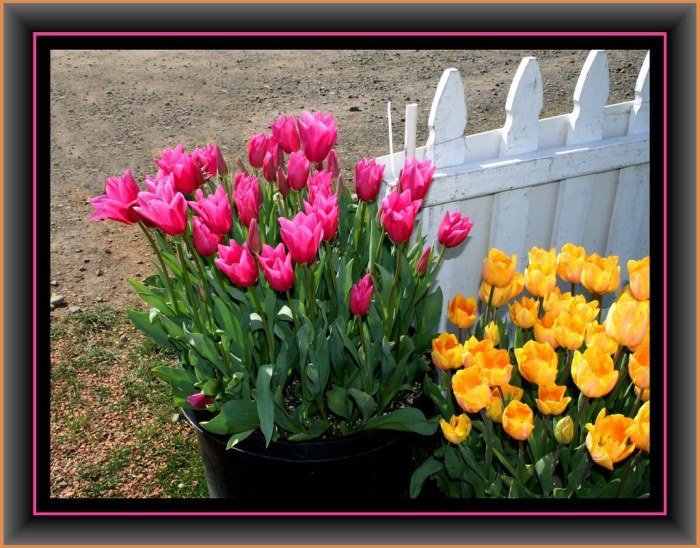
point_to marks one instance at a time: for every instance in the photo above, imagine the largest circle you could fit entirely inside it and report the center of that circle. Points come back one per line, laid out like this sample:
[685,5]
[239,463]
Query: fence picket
[523,105]
[639,117]
[447,121]
[590,96]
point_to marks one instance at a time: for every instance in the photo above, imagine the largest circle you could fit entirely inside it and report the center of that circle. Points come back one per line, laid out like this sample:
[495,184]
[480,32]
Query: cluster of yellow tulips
[558,337]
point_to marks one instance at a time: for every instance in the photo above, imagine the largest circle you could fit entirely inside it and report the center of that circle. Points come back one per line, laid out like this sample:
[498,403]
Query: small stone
[124,338]
[108,250]
[354,108]
[99,272]
[175,417]
[140,261]
[62,484]
[57,300]
[54,283]
[52,307]
[75,309]
[86,261]
[99,299]
[82,269]
[181,486]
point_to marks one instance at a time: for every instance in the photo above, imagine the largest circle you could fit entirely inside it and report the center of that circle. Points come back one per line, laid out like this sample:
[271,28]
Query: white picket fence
[582,177]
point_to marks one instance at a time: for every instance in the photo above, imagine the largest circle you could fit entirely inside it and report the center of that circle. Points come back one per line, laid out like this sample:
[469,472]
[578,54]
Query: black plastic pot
[365,470]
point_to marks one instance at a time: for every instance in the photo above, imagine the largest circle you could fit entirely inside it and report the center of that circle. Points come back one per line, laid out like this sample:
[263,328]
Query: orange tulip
[639,367]
[498,269]
[627,322]
[594,372]
[569,330]
[510,392]
[524,312]
[492,334]
[601,275]
[458,429]
[447,352]
[501,295]
[518,420]
[641,422]
[551,400]
[470,390]
[540,274]
[472,347]
[494,366]
[645,394]
[596,336]
[555,302]
[639,278]
[608,439]
[462,312]
[543,330]
[537,363]
[570,263]
[587,311]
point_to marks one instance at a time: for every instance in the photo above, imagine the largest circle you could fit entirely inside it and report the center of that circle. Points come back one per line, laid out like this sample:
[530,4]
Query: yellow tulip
[639,367]
[627,322]
[564,430]
[569,330]
[458,429]
[551,400]
[570,263]
[537,363]
[510,392]
[640,437]
[494,366]
[501,295]
[596,336]
[639,278]
[593,372]
[447,352]
[492,334]
[472,347]
[518,420]
[555,302]
[645,394]
[462,312]
[498,269]
[538,283]
[545,261]
[608,439]
[645,341]
[601,275]
[470,390]
[587,311]
[524,312]
[543,330]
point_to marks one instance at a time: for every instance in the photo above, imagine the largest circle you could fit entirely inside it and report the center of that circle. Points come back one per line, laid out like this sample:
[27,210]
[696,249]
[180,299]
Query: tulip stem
[580,416]
[489,446]
[266,326]
[600,307]
[573,289]
[329,260]
[377,253]
[629,471]
[637,401]
[488,306]
[587,471]
[293,309]
[311,297]
[557,452]
[392,295]
[166,278]
[205,286]
[188,286]
[366,377]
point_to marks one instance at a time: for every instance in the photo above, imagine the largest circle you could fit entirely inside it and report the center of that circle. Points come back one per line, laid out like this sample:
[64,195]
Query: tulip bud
[199,401]
[564,431]
[270,166]
[282,182]
[492,334]
[332,164]
[422,265]
[241,166]
[361,296]
[254,242]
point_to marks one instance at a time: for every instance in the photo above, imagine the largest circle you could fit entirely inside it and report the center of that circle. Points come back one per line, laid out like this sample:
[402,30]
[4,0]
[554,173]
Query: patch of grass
[182,475]
[95,359]
[78,424]
[97,320]
[103,477]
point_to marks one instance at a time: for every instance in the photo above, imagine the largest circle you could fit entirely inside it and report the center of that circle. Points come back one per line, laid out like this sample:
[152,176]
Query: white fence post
[639,117]
[523,106]
[590,96]
[447,121]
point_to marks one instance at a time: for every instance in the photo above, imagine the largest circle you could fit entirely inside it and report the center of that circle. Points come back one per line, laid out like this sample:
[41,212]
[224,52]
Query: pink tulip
[257,146]
[326,209]
[422,264]
[302,236]
[199,401]
[164,207]
[285,133]
[210,161]
[361,296]
[416,176]
[282,182]
[320,183]
[238,264]
[368,179]
[119,201]
[215,210]
[240,167]
[399,214]
[248,197]
[270,166]
[184,168]
[205,241]
[454,229]
[277,267]
[318,134]
[297,170]
[332,166]
[254,242]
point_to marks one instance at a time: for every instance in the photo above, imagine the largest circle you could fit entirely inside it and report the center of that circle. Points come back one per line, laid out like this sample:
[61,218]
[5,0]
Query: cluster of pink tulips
[280,288]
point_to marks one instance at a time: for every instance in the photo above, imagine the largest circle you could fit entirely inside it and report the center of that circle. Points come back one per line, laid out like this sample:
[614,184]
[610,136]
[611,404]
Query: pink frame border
[268,34]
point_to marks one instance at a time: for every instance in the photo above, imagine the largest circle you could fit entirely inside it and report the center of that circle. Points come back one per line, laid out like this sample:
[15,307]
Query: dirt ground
[113,110]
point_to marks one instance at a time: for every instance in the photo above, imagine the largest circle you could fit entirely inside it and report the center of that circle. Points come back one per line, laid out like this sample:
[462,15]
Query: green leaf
[423,472]
[265,404]
[365,403]
[432,311]
[317,428]
[235,439]
[181,380]
[339,402]
[545,472]
[235,417]
[285,313]
[408,419]
[155,330]
[444,405]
